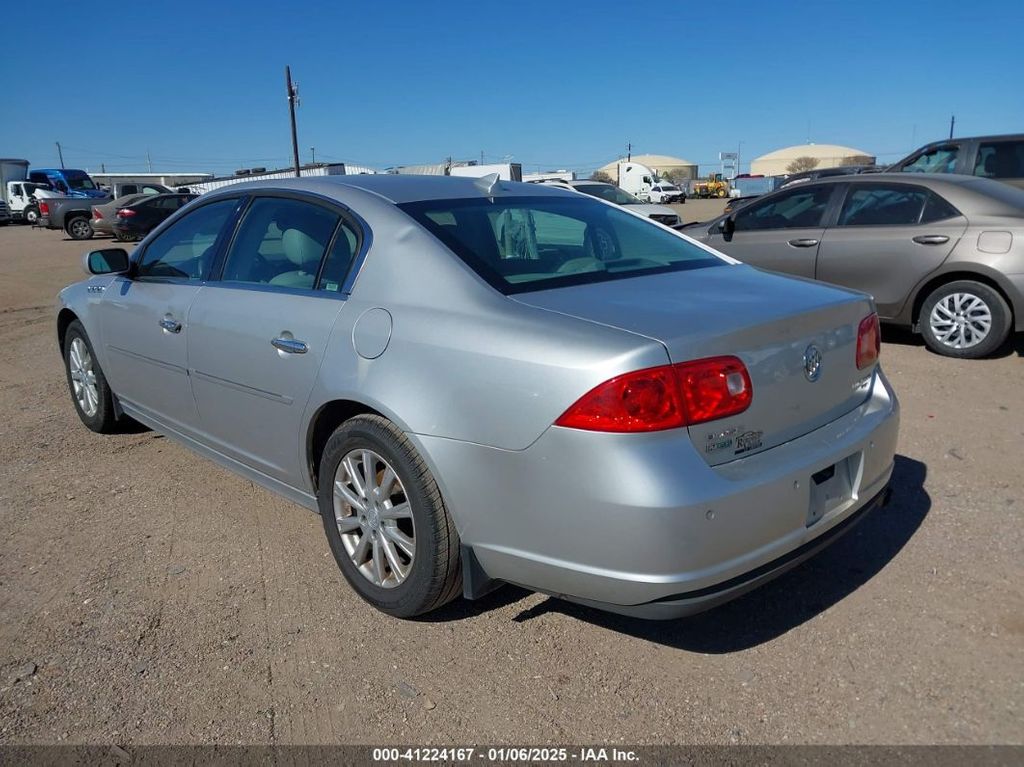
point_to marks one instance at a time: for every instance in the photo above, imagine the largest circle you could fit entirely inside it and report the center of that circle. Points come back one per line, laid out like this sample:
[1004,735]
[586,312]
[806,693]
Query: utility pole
[149,161]
[293,97]
[952,122]
[629,151]
[313,150]
[60,154]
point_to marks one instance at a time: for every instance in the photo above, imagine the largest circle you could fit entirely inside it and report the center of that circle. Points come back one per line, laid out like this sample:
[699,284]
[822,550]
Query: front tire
[31,215]
[385,520]
[79,228]
[965,319]
[90,393]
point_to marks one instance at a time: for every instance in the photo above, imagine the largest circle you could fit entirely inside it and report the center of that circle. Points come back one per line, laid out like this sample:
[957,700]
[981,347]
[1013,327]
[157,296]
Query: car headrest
[300,248]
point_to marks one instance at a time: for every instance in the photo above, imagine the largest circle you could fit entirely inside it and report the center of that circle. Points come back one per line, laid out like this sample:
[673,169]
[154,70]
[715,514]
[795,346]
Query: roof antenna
[488,183]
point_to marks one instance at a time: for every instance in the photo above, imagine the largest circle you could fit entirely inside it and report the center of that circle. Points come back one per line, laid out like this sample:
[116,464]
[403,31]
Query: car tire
[79,228]
[954,315]
[93,401]
[422,539]
[31,215]
[122,237]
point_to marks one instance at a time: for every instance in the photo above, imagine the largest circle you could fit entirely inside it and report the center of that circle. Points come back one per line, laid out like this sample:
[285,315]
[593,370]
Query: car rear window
[520,244]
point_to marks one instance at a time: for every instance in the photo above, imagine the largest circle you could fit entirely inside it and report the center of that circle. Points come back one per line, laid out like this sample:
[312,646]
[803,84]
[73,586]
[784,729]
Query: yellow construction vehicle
[713,186]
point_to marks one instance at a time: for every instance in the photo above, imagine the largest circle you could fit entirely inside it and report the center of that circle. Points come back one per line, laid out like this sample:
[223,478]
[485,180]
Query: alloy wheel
[374,518]
[83,377]
[960,320]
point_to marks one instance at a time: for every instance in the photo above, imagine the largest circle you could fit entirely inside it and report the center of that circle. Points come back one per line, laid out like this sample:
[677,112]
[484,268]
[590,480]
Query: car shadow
[906,337]
[792,599]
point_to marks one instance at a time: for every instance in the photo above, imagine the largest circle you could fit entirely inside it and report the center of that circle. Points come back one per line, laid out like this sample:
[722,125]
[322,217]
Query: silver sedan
[476,382]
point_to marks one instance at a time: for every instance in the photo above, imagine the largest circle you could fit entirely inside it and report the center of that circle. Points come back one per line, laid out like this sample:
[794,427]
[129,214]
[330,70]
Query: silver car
[942,254]
[475,382]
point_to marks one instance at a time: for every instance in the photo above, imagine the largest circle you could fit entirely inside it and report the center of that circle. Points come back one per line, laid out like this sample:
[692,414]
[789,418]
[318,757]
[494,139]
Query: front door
[781,233]
[258,336]
[145,318]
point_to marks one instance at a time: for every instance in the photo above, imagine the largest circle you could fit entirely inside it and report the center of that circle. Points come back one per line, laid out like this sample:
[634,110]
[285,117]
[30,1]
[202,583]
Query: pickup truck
[72,214]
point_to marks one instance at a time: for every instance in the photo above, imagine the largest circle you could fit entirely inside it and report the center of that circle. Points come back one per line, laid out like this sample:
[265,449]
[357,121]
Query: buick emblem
[812,363]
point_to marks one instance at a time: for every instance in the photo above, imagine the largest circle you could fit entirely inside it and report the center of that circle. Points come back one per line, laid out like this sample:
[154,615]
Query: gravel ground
[148,596]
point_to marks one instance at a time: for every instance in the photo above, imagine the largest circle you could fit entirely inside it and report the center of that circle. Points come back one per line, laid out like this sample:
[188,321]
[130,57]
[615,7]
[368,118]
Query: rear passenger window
[280,242]
[1000,159]
[879,205]
[937,209]
[339,260]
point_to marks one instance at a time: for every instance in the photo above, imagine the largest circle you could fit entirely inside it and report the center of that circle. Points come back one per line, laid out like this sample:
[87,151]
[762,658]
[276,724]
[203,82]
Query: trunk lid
[767,320]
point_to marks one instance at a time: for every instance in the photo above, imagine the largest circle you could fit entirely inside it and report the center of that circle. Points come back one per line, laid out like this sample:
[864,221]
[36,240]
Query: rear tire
[122,237]
[965,319]
[90,393]
[424,545]
[79,228]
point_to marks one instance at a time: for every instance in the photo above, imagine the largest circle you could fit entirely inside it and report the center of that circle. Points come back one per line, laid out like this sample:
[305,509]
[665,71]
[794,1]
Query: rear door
[886,238]
[782,232]
[258,335]
[144,319]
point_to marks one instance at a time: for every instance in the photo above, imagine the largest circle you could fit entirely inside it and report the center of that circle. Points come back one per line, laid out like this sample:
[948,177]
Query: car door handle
[170,324]
[931,239]
[289,346]
[803,243]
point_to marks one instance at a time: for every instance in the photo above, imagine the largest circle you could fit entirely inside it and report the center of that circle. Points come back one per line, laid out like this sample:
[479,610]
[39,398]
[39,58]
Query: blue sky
[551,84]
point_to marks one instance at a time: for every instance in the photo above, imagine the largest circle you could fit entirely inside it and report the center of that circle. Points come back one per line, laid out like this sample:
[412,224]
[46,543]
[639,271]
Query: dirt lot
[148,596]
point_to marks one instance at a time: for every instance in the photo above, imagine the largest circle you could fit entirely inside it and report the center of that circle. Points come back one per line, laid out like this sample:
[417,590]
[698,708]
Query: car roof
[995,137]
[398,188]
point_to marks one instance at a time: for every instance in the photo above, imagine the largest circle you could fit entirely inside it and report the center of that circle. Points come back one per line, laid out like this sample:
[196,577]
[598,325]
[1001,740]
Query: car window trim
[140,252]
[358,225]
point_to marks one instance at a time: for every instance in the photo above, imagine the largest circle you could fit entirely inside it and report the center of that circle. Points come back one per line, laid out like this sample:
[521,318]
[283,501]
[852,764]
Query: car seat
[304,252]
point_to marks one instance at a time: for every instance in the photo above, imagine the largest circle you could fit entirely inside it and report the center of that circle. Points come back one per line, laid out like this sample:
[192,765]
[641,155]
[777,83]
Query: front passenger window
[185,249]
[280,242]
[803,207]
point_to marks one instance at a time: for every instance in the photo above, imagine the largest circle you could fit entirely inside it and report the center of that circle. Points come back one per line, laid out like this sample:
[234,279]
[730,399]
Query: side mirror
[106,261]
[727,226]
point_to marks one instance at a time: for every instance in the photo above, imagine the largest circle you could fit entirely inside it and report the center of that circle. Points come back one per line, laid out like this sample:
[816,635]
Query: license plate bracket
[833,487]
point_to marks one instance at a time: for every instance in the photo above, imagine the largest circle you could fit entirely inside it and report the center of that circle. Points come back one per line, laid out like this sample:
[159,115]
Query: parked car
[941,254]
[5,215]
[617,196]
[72,214]
[125,188]
[136,220]
[812,175]
[997,157]
[103,216]
[664,192]
[476,381]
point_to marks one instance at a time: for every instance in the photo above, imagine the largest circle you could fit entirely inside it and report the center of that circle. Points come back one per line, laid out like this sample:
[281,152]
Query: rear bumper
[641,524]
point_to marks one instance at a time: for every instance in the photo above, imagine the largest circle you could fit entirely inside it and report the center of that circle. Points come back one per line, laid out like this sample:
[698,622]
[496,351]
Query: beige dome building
[828,156]
[659,163]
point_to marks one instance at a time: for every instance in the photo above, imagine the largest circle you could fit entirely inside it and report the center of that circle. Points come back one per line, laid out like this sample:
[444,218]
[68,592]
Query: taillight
[96,214]
[666,397]
[714,388]
[125,213]
[869,341]
[44,208]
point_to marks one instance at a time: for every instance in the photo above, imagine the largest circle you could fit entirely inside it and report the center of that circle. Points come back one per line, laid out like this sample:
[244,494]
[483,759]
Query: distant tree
[858,159]
[600,175]
[801,164]
[678,176]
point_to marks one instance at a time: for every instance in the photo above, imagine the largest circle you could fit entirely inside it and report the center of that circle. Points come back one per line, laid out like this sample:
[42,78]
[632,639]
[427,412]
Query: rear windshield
[520,244]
